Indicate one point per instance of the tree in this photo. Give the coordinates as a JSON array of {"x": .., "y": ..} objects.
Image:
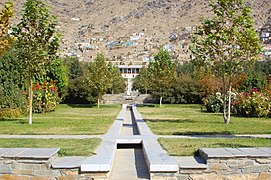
[
  {"x": 143, "y": 80},
  {"x": 100, "y": 76},
  {"x": 227, "y": 44},
  {"x": 37, "y": 42},
  {"x": 118, "y": 83},
  {"x": 5, "y": 16},
  {"x": 163, "y": 73}
]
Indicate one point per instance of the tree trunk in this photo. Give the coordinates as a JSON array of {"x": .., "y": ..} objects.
[
  {"x": 30, "y": 93},
  {"x": 161, "y": 100},
  {"x": 146, "y": 90},
  {"x": 98, "y": 102},
  {"x": 224, "y": 100},
  {"x": 229, "y": 105}
]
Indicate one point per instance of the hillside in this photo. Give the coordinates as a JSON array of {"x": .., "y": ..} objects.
[{"x": 91, "y": 26}]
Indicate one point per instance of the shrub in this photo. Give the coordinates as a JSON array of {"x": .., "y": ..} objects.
[
  {"x": 214, "y": 103},
  {"x": 45, "y": 97},
  {"x": 10, "y": 113},
  {"x": 252, "y": 104}
]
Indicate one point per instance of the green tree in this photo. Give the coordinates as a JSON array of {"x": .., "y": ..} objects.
[
  {"x": 118, "y": 83},
  {"x": 37, "y": 42},
  {"x": 163, "y": 73},
  {"x": 143, "y": 80},
  {"x": 5, "y": 15},
  {"x": 100, "y": 76},
  {"x": 227, "y": 44}
]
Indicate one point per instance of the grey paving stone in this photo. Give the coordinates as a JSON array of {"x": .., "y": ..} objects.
[
  {"x": 254, "y": 152},
  {"x": 13, "y": 152},
  {"x": 191, "y": 162},
  {"x": 103, "y": 161},
  {"x": 157, "y": 159},
  {"x": 215, "y": 153},
  {"x": 68, "y": 162},
  {"x": 38, "y": 153},
  {"x": 236, "y": 152},
  {"x": 3, "y": 150},
  {"x": 265, "y": 149}
]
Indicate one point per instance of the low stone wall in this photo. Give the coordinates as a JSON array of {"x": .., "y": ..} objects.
[
  {"x": 32, "y": 164},
  {"x": 232, "y": 163},
  {"x": 237, "y": 168}
]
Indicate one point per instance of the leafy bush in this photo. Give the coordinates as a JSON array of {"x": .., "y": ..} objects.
[
  {"x": 12, "y": 95},
  {"x": 10, "y": 113},
  {"x": 45, "y": 97},
  {"x": 252, "y": 104},
  {"x": 214, "y": 103}
]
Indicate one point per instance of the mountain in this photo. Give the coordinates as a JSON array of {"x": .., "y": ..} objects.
[{"x": 131, "y": 31}]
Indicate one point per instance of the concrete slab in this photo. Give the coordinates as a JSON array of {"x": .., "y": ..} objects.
[
  {"x": 265, "y": 149},
  {"x": 236, "y": 152},
  {"x": 3, "y": 150},
  {"x": 38, "y": 153},
  {"x": 13, "y": 152},
  {"x": 142, "y": 126},
  {"x": 68, "y": 162},
  {"x": 129, "y": 141},
  {"x": 206, "y": 153},
  {"x": 157, "y": 159},
  {"x": 103, "y": 161},
  {"x": 191, "y": 162},
  {"x": 254, "y": 152}
]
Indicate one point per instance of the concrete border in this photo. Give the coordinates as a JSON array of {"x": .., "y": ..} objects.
[{"x": 158, "y": 161}]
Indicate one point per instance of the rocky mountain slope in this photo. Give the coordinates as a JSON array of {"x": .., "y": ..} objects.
[{"x": 117, "y": 20}]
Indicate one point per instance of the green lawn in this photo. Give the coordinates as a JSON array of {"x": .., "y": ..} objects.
[
  {"x": 68, "y": 147},
  {"x": 187, "y": 147},
  {"x": 67, "y": 119},
  {"x": 190, "y": 119}
]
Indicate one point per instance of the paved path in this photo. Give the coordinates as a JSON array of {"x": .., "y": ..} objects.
[
  {"x": 267, "y": 136},
  {"x": 128, "y": 131},
  {"x": 49, "y": 136},
  {"x": 129, "y": 164}
]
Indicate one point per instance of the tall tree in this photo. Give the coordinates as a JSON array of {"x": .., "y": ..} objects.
[
  {"x": 143, "y": 80},
  {"x": 118, "y": 83},
  {"x": 100, "y": 76},
  {"x": 163, "y": 73},
  {"x": 227, "y": 44},
  {"x": 5, "y": 16},
  {"x": 37, "y": 41}
]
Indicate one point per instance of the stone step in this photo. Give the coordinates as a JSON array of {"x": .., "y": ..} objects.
[
  {"x": 25, "y": 153},
  {"x": 68, "y": 162},
  {"x": 191, "y": 162}
]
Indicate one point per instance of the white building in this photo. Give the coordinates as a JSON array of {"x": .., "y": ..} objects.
[{"x": 129, "y": 71}]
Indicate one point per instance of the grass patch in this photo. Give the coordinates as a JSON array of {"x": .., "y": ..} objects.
[
  {"x": 191, "y": 119},
  {"x": 68, "y": 147},
  {"x": 188, "y": 147},
  {"x": 67, "y": 119}
]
